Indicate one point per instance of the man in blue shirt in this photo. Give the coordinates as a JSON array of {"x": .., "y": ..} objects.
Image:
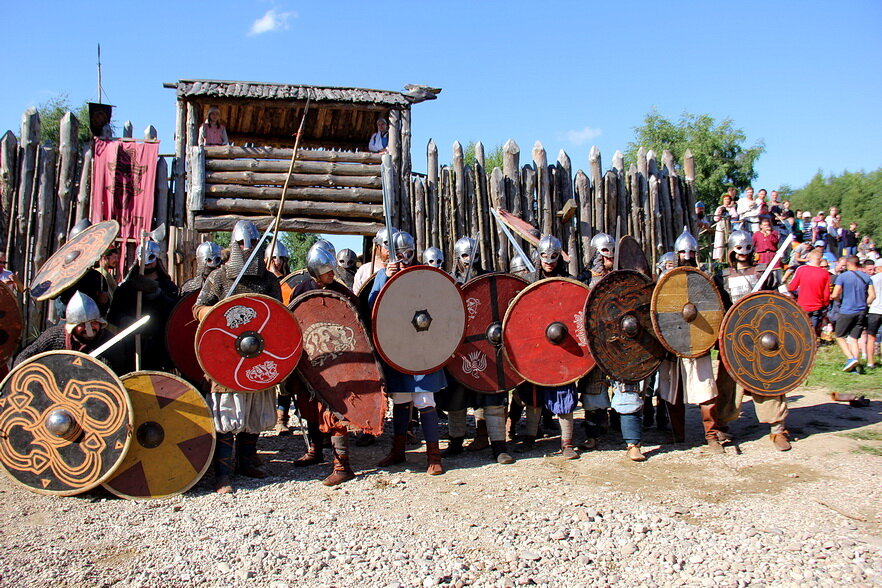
[{"x": 855, "y": 293}]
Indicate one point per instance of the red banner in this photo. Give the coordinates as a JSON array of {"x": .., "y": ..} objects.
[{"x": 123, "y": 184}]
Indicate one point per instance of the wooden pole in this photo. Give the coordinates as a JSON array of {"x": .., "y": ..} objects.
[
  {"x": 45, "y": 205},
  {"x": 84, "y": 195},
  {"x": 583, "y": 197},
  {"x": 179, "y": 163},
  {"x": 8, "y": 175},
  {"x": 497, "y": 198},
  {"x": 459, "y": 209},
  {"x": 420, "y": 220},
  {"x": 599, "y": 204},
  {"x": 433, "y": 194},
  {"x": 29, "y": 141},
  {"x": 68, "y": 152},
  {"x": 483, "y": 203},
  {"x": 543, "y": 182}
]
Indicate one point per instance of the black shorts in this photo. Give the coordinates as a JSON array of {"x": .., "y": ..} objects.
[
  {"x": 851, "y": 325},
  {"x": 874, "y": 321}
]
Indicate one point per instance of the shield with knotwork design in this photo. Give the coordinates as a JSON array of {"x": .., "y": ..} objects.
[
  {"x": 248, "y": 342},
  {"x": 687, "y": 311},
  {"x": 173, "y": 438},
  {"x": 180, "y": 337},
  {"x": 418, "y": 320},
  {"x": 10, "y": 322},
  {"x": 479, "y": 363},
  {"x": 619, "y": 327},
  {"x": 73, "y": 260},
  {"x": 543, "y": 333},
  {"x": 767, "y": 343},
  {"x": 339, "y": 361},
  {"x": 65, "y": 423}
]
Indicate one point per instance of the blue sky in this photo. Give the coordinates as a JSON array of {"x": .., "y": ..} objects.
[{"x": 804, "y": 77}]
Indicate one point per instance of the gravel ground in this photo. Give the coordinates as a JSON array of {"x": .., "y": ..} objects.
[{"x": 752, "y": 517}]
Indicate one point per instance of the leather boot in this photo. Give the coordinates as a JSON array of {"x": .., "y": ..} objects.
[
  {"x": 567, "y": 450},
  {"x": 342, "y": 472},
  {"x": 454, "y": 447},
  {"x": 500, "y": 452},
  {"x": 527, "y": 444},
  {"x": 433, "y": 460},
  {"x": 396, "y": 453},
  {"x": 710, "y": 428},
  {"x": 677, "y": 420},
  {"x": 313, "y": 455},
  {"x": 634, "y": 453},
  {"x": 281, "y": 427},
  {"x": 247, "y": 462},
  {"x": 515, "y": 412},
  {"x": 481, "y": 440},
  {"x": 780, "y": 441},
  {"x": 223, "y": 463}
]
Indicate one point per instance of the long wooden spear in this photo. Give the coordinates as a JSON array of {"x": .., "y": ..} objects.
[{"x": 272, "y": 247}]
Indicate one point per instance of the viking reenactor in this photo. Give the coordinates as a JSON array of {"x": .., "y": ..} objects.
[
  {"x": 408, "y": 389},
  {"x": 83, "y": 330},
  {"x": 560, "y": 400},
  {"x": 434, "y": 257},
  {"x": 208, "y": 259},
  {"x": 739, "y": 280},
  {"x": 158, "y": 297},
  {"x": 239, "y": 417},
  {"x": 379, "y": 257},
  {"x": 346, "y": 261},
  {"x": 690, "y": 380},
  {"x": 109, "y": 262},
  {"x": 653, "y": 413}
]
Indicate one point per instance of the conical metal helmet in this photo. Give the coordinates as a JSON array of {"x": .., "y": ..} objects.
[
  {"x": 604, "y": 244},
  {"x": 149, "y": 250},
  {"x": 279, "y": 251},
  {"x": 464, "y": 247},
  {"x": 666, "y": 262},
  {"x": 405, "y": 246},
  {"x": 319, "y": 261},
  {"x": 246, "y": 232},
  {"x": 549, "y": 248},
  {"x": 434, "y": 257},
  {"x": 740, "y": 242},
  {"x": 208, "y": 255},
  {"x": 81, "y": 309},
  {"x": 382, "y": 237},
  {"x": 346, "y": 258},
  {"x": 686, "y": 244},
  {"x": 518, "y": 265},
  {"x": 327, "y": 246}
]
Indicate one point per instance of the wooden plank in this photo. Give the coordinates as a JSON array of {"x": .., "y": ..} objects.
[
  {"x": 179, "y": 165},
  {"x": 302, "y": 167},
  {"x": 45, "y": 197},
  {"x": 369, "y": 195},
  {"x": 278, "y": 179},
  {"x": 369, "y": 212},
  {"x": 69, "y": 154},
  {"x": 205, "y": 224},
  {"x": 230, "y": 152},
  {"x": 195, "y": 182}
]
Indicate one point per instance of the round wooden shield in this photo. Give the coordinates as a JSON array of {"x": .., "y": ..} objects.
[
  {"x": 418, "y": 319},
  {"x": 73, "y": 259},
  {"x": 767, "y": 343},
  {"x": 364, "y": 305},
  {"x": 687, "y": 311},
  {"x": 180, "y": 337},
  {"x": 543, "y": 333},
  {"x": 173, "y": 438},
  {"x": 631, "y": 256},
  {"x": 296, "y": 277},
  {"x": 248, "y": 342},
  {"x": 479, "y": 363},
  {"x": 339, "y": 361},
  {"x": 619, "y": 326},
  {"x": 65, "y": 423},
  {"x": 10, "y": 322}
]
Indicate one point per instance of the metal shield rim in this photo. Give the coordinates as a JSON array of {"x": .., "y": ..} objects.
[
  {"x": 61, "y": 251},
  {"x": 129, "y": 417},
  {"x": 373, "y": 333},
  {"x": 208, "y": 462},
  {"x": 725, "y": 324},
  {"x": 462, "y": 288},
  {"x": 508, "y": 315},
  {"x": 234, "y": 297},
  {"x": 654, "y": 304},
  {"x": 591, "y": 295},
  {"x": 168, "y": 335}
]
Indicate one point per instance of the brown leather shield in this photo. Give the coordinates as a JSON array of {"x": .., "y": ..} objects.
[
  {"x": 73, "y": 260},
  {"x": 687, "y": 311},
  {"x": 10, "y": 322},
  {"x": 173, "y": 438},
  {"x": 418, "y": 320},
  {"x": 479, "y": 363},
  {"x": 767, "y": 343},
  {"x": 339, "y": 361},
  {"x": 619, "y": 326},
  {"x": 543, "y": 333},
  {"x": 523, "y": 229},
  {"x": 248, "y": 342},
  {"x": 180, "y": 337},
  {"x": 65, "y": 423},
  {"x": 631, "y": 256}
]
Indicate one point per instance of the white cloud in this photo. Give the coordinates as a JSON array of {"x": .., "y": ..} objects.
[
  {"x": 271, "y": 21},
  {"x": 582, "y": 136}
]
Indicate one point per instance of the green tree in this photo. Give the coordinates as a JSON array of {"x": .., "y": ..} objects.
[
  {"x": 492, "y": 158},
  {"x": 718, "y": 148},
  {"x": 51, "y": 113},
  {"x": 856, "y": 194}
]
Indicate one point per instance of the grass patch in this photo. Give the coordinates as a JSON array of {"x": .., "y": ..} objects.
[
  {"x": 870, "y": 449},
  {"x": 865, "y": 435},
  {"x": 828, "y": 373}
]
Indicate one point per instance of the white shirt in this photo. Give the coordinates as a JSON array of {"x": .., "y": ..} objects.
[{"x": 876, "y": 307}]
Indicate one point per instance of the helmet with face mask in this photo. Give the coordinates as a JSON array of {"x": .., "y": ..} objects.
[
  {"x": 243, "y": 240},
  {"x": 405, "y": 246},
  {"x": 666, "y": 260},
  {"x": 148, "y": 251},
  {"x": 208, "y": 256},
  {"x": 518, "y": 265},
  {"x": 464, "y": 248},
  {"x": 382, "y": 238},
  {"x": 434, "y": 257},
  {"x": 740, "y": 243},
  {"x": 549, "y": 248},
  {"x": 319, "y": 261},
  {"x": 346, "y": 259},
  {"x": 78, "y": 228},
  {"x": 686, "y": 244},
  {"x": 604, "y": 244},
  {"x": 82, "y": 310}
]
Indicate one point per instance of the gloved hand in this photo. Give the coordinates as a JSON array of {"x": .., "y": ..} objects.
[{"x": 145, "y": 284}]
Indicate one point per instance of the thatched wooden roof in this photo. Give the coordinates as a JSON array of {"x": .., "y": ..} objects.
[{"x": 269, "y": 114}]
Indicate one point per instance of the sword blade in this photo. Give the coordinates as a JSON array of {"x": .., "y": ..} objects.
[
  {"x": 778, "y": 255},
  {"x": 250, "y": 259},
  {"x": 122, "y": 335},
  {"x": 512, "y": 240}
]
